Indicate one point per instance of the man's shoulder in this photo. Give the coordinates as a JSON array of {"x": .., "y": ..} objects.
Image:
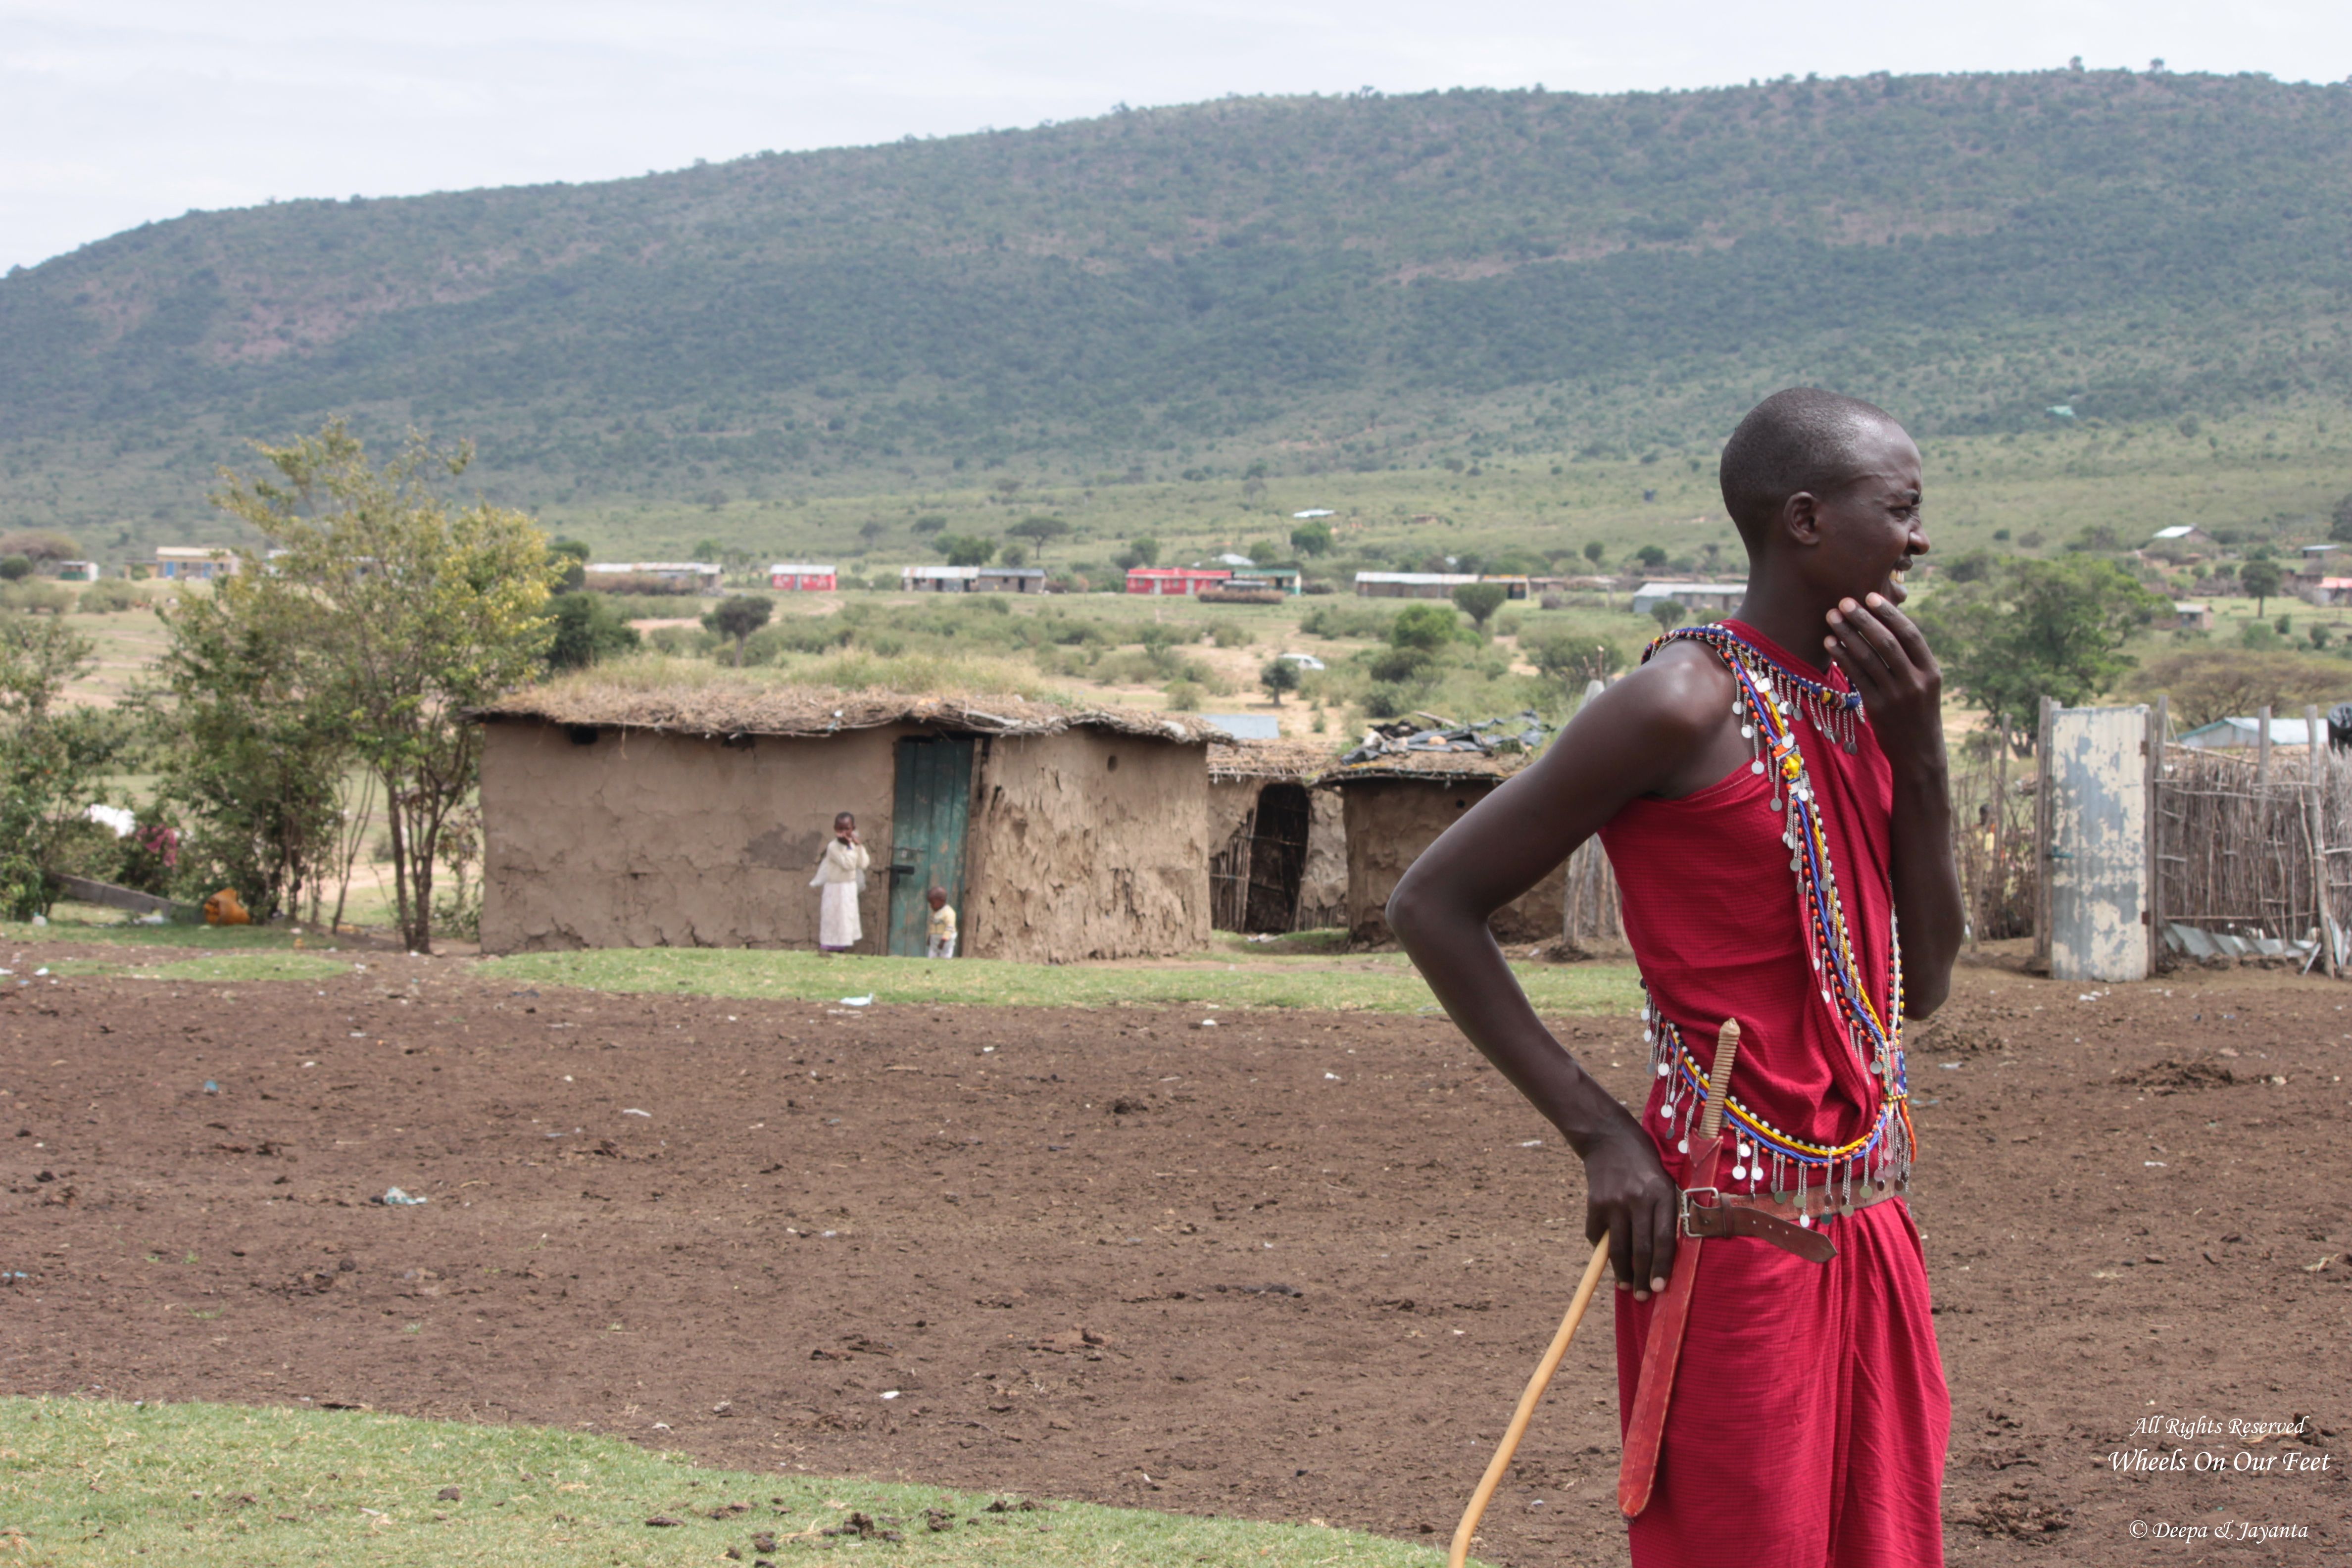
[{"x": 1684, "y": 686}]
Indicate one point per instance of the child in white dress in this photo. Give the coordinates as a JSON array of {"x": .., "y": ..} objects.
[{"x": 841, "y": 875}]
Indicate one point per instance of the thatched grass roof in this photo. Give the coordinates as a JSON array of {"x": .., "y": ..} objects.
[
  {"x": 1438, "y": 767},
  {"x": 721, "y": 707},
  {"x": 1285, "y": 759}
]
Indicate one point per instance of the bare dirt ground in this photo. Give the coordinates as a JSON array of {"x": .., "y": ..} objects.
[{"x": 1292, "y": 1266}]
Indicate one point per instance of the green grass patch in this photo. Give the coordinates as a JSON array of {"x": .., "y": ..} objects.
[
  {"x": 1372, "y": 982},
  {"x": 212, "y": 1486},
  {"x": 212, "y": 968},
  {"x": 84, "y": 924}
]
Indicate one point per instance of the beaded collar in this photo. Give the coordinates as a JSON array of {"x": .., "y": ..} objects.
[{"x": 1769, "y": 699}]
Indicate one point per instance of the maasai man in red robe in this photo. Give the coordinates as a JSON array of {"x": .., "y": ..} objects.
[{"x": 1772, "y": 792}]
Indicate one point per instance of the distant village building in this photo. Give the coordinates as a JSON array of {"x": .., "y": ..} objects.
[
  {"x": 77, "y": 571},
  {"x": 788, "y": 577},
  {"x": 694, "y": 816},
  {"x": 1699, "y": 598},
  {"x": 937, "y": 579},
  {"x": 1167, "y": 580},
  {"x": 681, "y": 576},
  {"x": 2186, "y": 535},
  {"x": 1396, "y": 805},
  {"x": 2331, "y": 591},
  {"x": 2227, "y": 735},
  {"x": 972, "y": 579},
  {"x": 193, "y": 562},
  {"x": 1437, "y": 584},
  {"x": 2189, "y": 615},
  {"x": 1411, "y": 585},
  {"x": 1285, "y": 579}
]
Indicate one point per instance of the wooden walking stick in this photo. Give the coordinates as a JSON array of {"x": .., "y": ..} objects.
[{"x": 1501, "y": 1462}]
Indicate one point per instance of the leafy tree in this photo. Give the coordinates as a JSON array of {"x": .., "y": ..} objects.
[
  {"x": 1479, "y": 601},
  {"x": 2261, "y": 578},
  {"x": 1651, "y": 556},
  {"x": 2226, "y": 683},
  {"x": 417, "y": 612},
  {"x": 736, "y": 618},
  {"x": 929, "y": 523},
  {"x": 1595, "y": 552},
  {"x": 257, "y": 746},
  {"x": 1040, "y": 531},
  {"x": 871, "y": 530},
  {"x": 1668, "y": 613},
  {"x": 1141, "y": 550},
  {"x": 2339, "y": 523},
  {"x": 16, "y": 568},
  {"x": 2033, "y": 629},
  {"x": 1312, "y": 538},
  {"x": 1278, "y": 676},
  {"x": 39, "y": 545},
  {"x": 587, "y": 629},
  {"x": 570, "y": 556},
  {"x": 53, "y": 759},
  {"x": 707, "y": 549},
  {"x": 966, "y": 549},
  {"x": 1013, "y": 555}
]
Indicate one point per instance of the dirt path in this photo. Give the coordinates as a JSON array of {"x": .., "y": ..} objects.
[{"x": 1291, "y": 1266}]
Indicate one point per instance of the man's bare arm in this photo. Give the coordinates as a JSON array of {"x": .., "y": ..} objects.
[
  {"x": 1889, "y": 663},
  {"x": 1659, "y": 731}
]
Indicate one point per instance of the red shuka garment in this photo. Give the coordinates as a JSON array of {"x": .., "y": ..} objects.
[{"x": 1810, "y": 1415}]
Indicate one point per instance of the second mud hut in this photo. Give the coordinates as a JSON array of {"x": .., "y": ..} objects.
[
  {"x": 1279, "y": 851},
  {"x": 1394, "y": 806}
]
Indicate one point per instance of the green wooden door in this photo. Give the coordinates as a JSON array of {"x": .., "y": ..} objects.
[{"x": 933, "y": 802}]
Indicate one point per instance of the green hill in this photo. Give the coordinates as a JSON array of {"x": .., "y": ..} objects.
[{"x": 1321, "y": 284}]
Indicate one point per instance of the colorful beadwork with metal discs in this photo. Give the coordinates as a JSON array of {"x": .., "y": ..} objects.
[{"x": 1812, "y": 1175}]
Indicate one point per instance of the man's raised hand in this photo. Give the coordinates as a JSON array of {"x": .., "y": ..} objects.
[{"x": 1888, "y": 660}]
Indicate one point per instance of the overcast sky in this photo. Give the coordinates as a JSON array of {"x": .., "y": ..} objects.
[{"x": 116, "y": 111}]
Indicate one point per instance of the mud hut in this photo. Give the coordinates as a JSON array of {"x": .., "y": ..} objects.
[
  {"x": 1278, "y": 849},
  {"x": 692, "y": 817},
  {"x": 1394, "y": 806}
]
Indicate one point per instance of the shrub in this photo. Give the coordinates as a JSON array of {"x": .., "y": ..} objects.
[
  {"x": 1424, "y": 626},
  {"x": 109, "y": 595},
  {"x": 1394, "y": 666},
  {"x": 586, "y": 631},
  {"x": 35, "y": 597}
]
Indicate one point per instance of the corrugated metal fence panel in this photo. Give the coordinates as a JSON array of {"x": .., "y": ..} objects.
[{"x": 2098, "y": 844}]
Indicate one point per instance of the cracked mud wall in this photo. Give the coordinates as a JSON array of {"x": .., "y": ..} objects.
[
  {"x": 1391, "y": 821},
  {"x": 643, "y": 839},
  {"x": 1087, "y": 845},
  {"x": 1323, "y": 885}
]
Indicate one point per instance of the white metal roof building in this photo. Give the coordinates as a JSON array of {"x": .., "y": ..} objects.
[
  {"x": 1689, "y": 595},
  {"x": 2223, "y": 734}
]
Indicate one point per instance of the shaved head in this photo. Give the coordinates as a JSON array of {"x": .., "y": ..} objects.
[{"x": 1801, "y": 438}]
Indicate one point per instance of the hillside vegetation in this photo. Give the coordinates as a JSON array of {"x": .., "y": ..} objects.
[{"x": 1322, "y": 285}]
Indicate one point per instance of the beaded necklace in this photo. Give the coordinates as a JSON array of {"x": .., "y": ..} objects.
[{"x": 1769, "y": 699}]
